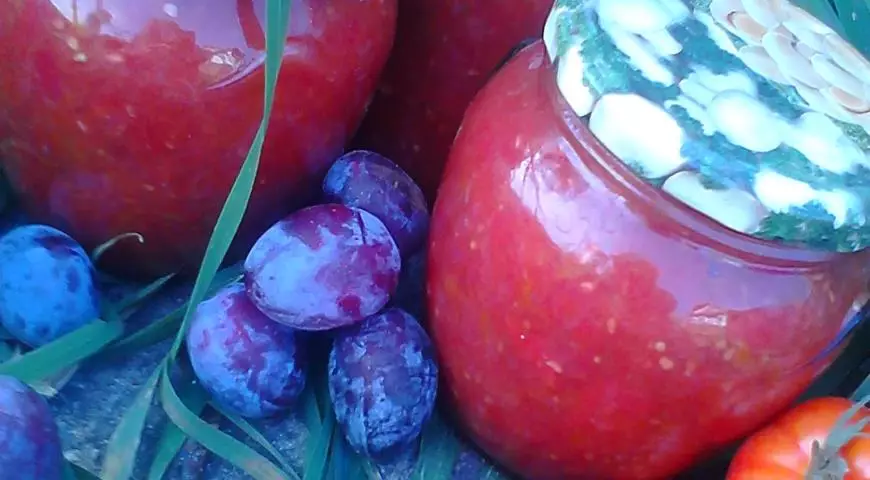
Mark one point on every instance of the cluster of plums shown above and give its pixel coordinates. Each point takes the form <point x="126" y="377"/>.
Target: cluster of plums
<point x="332" y="266"/>
<point x="329" y="267"/>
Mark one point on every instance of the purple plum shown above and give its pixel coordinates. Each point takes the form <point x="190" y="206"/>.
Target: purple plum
<point x="370" y="181"/>
<point x="30" y="447"/>
<point x="249" y="364"/>
<point x="47" y="286"/>
<point x="383" y="380"/>
<point x="323" y="267"/>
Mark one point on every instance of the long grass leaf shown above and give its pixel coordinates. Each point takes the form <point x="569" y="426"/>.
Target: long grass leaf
<point x="854" y="16"/>
<point x="230" y="218"/>
<point x="318" y="457"/>
<point x="258" y="437"/>
<point x="75" y="472"/>
<point x="167" y="326"/>
<point x="143" y="293"/>
<point x="215" y="440"/>
<point x="172" y="439"/>
<point x="439" y="451"/>
<point x="63" y="353"/>
<point x="120" y="458"/>
<point x="824" y="11"/>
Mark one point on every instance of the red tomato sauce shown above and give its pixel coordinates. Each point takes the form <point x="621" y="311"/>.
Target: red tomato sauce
<point x="136" y="116"/>
<point x="444" y="53"/>
<point x="591" y="326"/>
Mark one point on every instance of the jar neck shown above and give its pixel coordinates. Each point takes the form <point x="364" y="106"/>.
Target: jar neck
<point x="676" y="217"/>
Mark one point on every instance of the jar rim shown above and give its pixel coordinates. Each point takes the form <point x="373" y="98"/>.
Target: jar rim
<point x="694" y="226"/>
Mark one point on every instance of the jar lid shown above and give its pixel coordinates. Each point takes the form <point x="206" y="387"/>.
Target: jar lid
<point x="753" y="112"/>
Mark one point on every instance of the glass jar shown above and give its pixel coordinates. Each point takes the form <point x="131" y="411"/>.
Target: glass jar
<point x="120" y="117"/>
<point x="590" y="324"/>
<point x="445" y="51"/>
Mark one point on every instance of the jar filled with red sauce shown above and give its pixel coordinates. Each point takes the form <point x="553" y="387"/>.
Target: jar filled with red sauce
<point x="135" y="116"/>
<point x="650" y="236"/>
<point x="445" y="51"/>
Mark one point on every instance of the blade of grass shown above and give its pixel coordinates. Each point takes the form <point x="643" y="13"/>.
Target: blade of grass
<point x="8" y="350"/>
<point x="259" y="438"/>
<point x="50" y="386"/>
<point x="854" y="16"/>
<point x="172" y="439"/>
<point x="228" y="222"/>
<point x="75" y="472"/>
<point x="346" y="463"/>
<point x="822" y="10"/>
<point x="230" y="217"/>
<point x="64" y="352"/>
<point x="490" y="472"/>
<point x="120" y="457"/>
<point x="215" y="440"/>
<point x="167" y="326"/>
<point x="5" y="335"/>
<point x="318" y="454"/>
<point x="313" y="415"/>
<point x="343" y="461"/>
<point x="143" y="293"/>
<point x="862" y="391"/>
<point x="439" y="450"/>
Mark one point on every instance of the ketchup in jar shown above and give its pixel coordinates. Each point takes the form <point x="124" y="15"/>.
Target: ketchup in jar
<point x="135" y="116"/>
<point x="445" y="50"/>
<point x="651" y="234"/>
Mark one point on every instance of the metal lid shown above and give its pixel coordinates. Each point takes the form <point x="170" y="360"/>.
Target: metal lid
<point x="753" y="112"/>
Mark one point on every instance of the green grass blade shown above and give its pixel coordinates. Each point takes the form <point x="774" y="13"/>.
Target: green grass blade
<point x="491" y="472"/>
<point x="75" y="472"/>
<point x="862" y="391"/>
<point x="167" y="326"/>
<point x="215" y="440"/>
<point x="5" y="335"/>
<point x="172" y="439"/>
<point x="822" y="10"/>
<point x="320" y="419"/>
<point x="346" y="463"/>
<point x="855" y="17"/>
<point x="259" y="438"/>
<point x="120" y="458"/>
<point x="313" y="416"/>
<point x="171" y="442"/>
<point x="318" y="455"/>
<point x="8" y="350"/>
<point x="439" y="451"/>
<point x="143" y="293"/>
<point x="277" y="18"/>
<point x="64" y="352"/>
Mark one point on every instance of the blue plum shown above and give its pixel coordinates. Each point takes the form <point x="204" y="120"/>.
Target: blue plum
<point x="47" y="286"/>
<point x="323" y="267"/>
<point x="370" y="181"/>
<point x="383" y="380"/>
<point x="249" y="364"/>
<point x="30" y="447"/>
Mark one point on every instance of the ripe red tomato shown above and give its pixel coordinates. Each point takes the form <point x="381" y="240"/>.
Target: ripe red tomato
<point x="822" y="439"/>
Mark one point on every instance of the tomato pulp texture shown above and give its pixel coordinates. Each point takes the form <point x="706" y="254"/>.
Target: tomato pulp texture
<point x="590" y="326"/>
<point x="445" y="51"/>
<point x="135" y="116"/>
